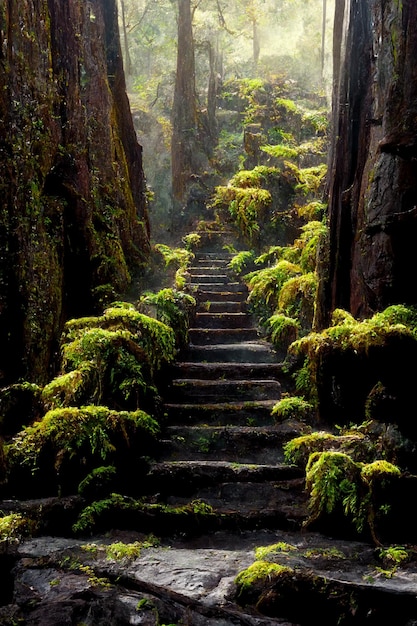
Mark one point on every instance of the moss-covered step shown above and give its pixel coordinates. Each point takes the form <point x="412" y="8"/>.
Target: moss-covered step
<point x="199" y="390"/>
<point x="252" y="413"/>
<point x="243" y="352"/>
<point x="239" y="444"/>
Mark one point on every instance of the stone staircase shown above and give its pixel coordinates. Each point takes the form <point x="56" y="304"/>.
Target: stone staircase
<point x="221" y="444"/>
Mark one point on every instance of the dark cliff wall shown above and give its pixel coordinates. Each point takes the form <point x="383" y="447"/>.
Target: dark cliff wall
<point x="369" y="261"/>
<point x="73" y="214"/>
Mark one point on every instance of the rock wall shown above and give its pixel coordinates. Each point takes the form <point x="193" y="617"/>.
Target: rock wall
<point x="369" y="259"/>
<point x="73" y="214"/>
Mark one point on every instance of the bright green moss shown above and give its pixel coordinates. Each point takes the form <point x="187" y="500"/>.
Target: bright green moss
<point x="259" y="573"/>
<point x="90" y="432"/>
<point x="265" y="553"/>
<point x="292" y="408"/>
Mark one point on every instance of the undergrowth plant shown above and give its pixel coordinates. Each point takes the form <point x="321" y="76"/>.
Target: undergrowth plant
<point x="81" y="439"/>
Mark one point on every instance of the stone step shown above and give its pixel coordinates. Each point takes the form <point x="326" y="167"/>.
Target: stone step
<point x="217" y="286"/>
<point x="198" y="390"/>
<point x="244" y="352"/>
<point x="205" y="296"/>
<point x="217" y="278"/>
<point x="222" y="320"/>
<point x="251" y="413"/>
<point x="211" y="336"/>
<point x="182" y="478"/>
<point x="228" y="371"/>
<point x="240" y="444"/>
<point x="251" y="499"/>
<point x="214" y="257"/>
<point x="209" y="270"/>
<point x="224" y="306"/>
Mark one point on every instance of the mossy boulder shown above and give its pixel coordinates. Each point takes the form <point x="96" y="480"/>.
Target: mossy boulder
<point x="52" y="456"/>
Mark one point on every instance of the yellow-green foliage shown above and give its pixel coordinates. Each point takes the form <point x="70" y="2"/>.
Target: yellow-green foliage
<point x="173" y="308"/>
<point x="257" y="177"/>
<point x="260" y="573"/>
<point x="15" y="526"/>
<point x="281" y="151"/>
<point x="292" y="408"/>
<point x="298" y="450"/>
<point x="312" y="234"/>
<point x="120" y="550"/>
<point x="177" y="257"/>
<point x="191" y="241"/>
<point x="241" y="260"/>
<point x="247" y="206"/>
<point x="265" y="553"/>
<point x="265" y="284"/>
<point x="297" y="297"/>
<point x="347" y="334"/>
<point x="90" y="432"/>
<point x="313" y="210"/>
<point x="309" y="179"/>
<point x="119" y="328"/>
<point x="284" y="330"/>
<point x="93" y="515"/>
<point x="335" y="480"/>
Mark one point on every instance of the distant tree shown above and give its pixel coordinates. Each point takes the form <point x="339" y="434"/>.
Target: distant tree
<point x="184" y="110"/>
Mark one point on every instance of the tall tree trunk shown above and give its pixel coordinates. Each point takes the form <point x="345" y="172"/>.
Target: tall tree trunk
<point x="373" y="175"/>
<point x="184" y="113"/>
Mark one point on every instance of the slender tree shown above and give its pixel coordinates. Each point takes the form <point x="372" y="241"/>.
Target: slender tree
<point x="184" y="110"/>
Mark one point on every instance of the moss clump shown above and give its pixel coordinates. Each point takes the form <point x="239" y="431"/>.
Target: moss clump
<point x="247" y="207"/>
<point x="253" y="582"/>
<point x="128" y="512"/>
<point x="68" y="443"/>
<point x="266" y="553"/>
<point x="15" y="526"/>
<point x="242" y="261"/>
<point x="173" y="308"/>
<point x="284" y="330"/>
<point x="112" y="359"/>
<point x="298" y="450"/>
<point x="338" y="484"/>
<point x="293" y="408"/>
<point x="357" y="346"/>
<point x="265" y="284"/>
<point x="100" y="482"/>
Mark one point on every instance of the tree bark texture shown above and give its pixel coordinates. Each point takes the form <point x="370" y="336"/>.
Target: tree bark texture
<point x="369" y="258"/>
<point x="73" y="214"/>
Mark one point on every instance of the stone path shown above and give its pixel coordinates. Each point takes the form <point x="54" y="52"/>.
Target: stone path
<point x="221" y="444"/>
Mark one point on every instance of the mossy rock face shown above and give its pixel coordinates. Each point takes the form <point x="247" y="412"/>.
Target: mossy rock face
<point x="300" y="597"/>
<point x="349" y="361"/>
<point x="55" y="454"/>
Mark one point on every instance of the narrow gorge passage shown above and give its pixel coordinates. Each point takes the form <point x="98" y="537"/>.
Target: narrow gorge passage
<point x="221" y="445"/>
